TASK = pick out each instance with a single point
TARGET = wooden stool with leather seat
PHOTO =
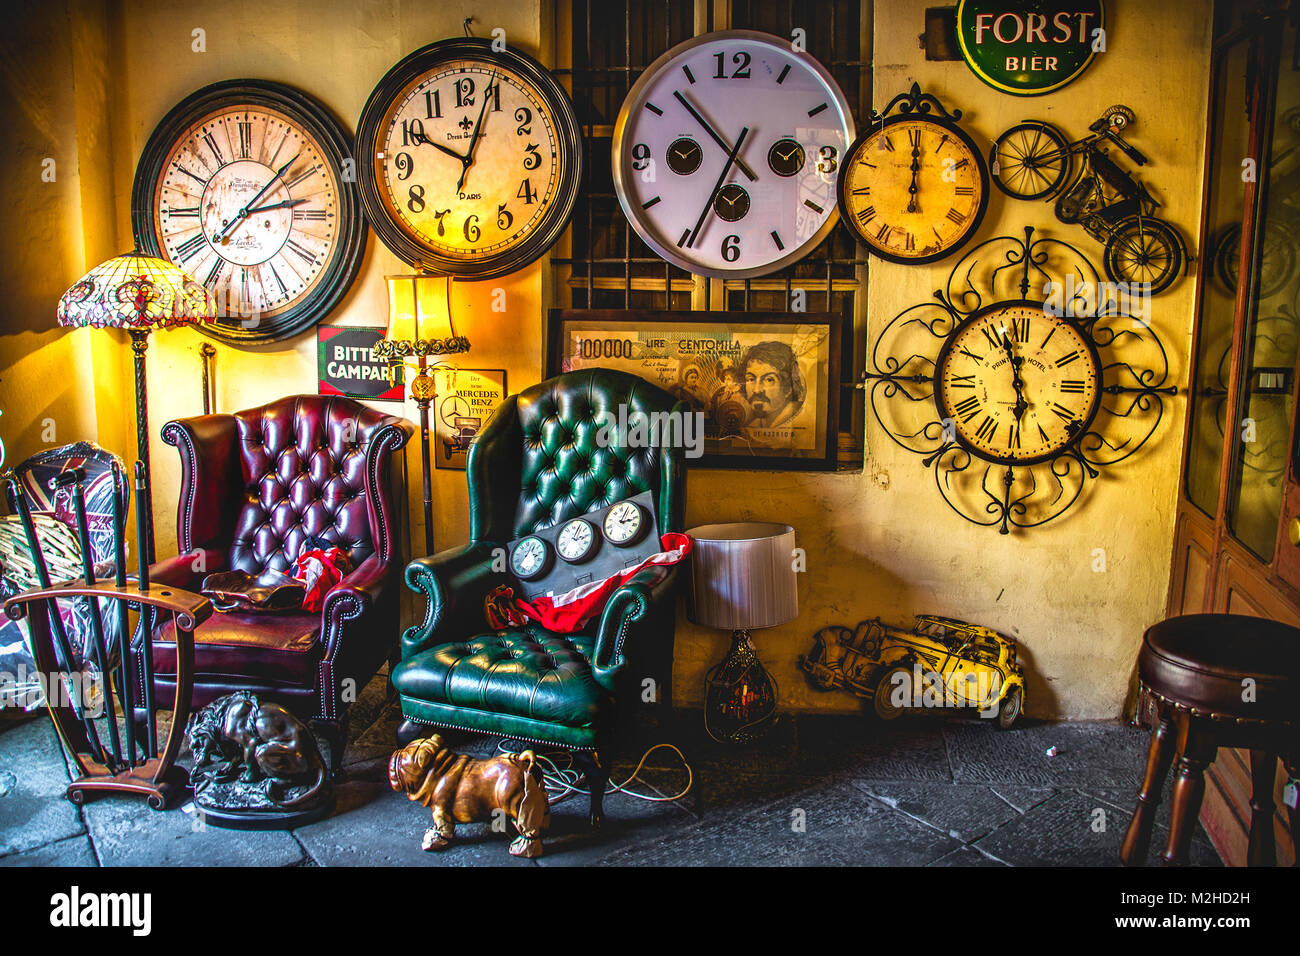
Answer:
(1218, 680)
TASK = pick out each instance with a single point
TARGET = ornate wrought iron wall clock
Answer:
(1021, 382)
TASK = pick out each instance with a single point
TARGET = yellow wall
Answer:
(882, 542)
(879, 541)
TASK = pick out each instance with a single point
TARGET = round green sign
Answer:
(1032, 47)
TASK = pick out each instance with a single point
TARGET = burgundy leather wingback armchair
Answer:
(254, 486)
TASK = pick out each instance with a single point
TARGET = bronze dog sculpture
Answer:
(461, 789)
(238, 736)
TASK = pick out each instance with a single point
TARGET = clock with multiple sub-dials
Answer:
(241, 185)
(469, 158)
(726, 154)
(913, 187)
(1018, 383)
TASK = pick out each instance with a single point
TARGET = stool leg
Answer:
(1263, 850)
(1292, 765)
(1160, 754)
(1189, 788)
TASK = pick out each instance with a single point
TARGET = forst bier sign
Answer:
(1031, 47)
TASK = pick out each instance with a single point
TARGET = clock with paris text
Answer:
(469, 159)
(242, 186)
(914, 186)
(726, 154)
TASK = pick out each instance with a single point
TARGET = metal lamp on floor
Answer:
(420, 325)
(138, 293)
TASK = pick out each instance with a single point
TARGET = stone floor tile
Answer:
(74, 851)
(863, 748)
(836, 825)
(373, 825)
(1095, 754)
(964, 812)
(34, 810)
(126, 832)
(1062, 831)
(967, 856)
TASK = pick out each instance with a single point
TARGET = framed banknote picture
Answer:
(761, 388)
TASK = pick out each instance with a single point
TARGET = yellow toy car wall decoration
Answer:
(940, 663)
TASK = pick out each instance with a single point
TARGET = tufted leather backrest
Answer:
(555, 451)
(312, 466)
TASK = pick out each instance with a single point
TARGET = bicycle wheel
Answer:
(1277, 263)
(1144, 249)
(1030, 161)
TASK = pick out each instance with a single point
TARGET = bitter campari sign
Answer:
(1033, 47)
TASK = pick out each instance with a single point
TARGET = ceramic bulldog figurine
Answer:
(461, 789)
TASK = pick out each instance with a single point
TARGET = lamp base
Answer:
(739, 695)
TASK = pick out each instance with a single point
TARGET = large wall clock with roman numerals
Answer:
(726, 154)
(468, 158)
(243, 186)
(1022, 380)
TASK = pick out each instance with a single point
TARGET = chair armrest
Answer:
(627, 605)
(358, 591)
(187, 571)
(454, 582)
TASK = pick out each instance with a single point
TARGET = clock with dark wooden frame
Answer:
(249, 187)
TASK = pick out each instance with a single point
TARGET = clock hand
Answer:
(712, 132)
(731, 158)
(243, 213)
(912, 189)
(1016, 382)
(473, 141)
(279, 205)
(446, 149)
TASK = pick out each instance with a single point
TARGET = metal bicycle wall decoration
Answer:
(1021, 382)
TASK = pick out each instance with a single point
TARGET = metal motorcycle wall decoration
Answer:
(1034, 160)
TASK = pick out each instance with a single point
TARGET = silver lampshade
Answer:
(742, 575)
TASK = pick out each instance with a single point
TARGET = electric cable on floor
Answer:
(561, 781)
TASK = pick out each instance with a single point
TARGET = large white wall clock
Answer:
(727, 152)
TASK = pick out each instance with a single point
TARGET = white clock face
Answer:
(529, 559)
(576, 540)
(1018, 383)
(623, 523)
(727, 152)
(249, 206)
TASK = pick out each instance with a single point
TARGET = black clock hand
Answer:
(749, 173)
(1016, 382)
(243, 213)
(916, 167)
(446, 149)
(279, 205)
(473, 140)
(722, 177)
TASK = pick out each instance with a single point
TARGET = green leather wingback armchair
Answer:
(538, 463)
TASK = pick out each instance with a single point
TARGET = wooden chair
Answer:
(1218, 680)
(125, 758)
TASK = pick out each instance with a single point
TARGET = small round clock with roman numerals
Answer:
(914, 187)
(726, 153)
(242, 185)
(469, 158)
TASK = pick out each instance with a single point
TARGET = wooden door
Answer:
(1237, 534)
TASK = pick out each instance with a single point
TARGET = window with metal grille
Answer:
(602, 263)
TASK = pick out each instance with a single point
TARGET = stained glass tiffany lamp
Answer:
(137, 293)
